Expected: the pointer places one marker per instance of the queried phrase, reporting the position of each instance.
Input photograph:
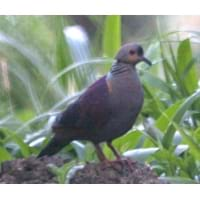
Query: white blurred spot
(78, 42)
(72, 171)
(180, 149)
(37, 142)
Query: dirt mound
(31, 170)
(36, 170)
(124, 172)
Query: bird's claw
(126, 163)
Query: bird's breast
(126, 94)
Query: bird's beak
(146, 60)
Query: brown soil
(31, 170)
(36, 170)
(121, 172)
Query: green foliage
(39, 77)
(186, 69)
(61, 172)
(112, 35)
(167, 140)
(5, 155)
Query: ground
(36, 170)
(124, 172)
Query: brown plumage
(107, 109)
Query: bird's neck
(119, 69)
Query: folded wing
(90, 112)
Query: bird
(106, 110)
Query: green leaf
(167, 140)
(62, 53)
(156, 82)
(128, 141)
(197, 134)
(12, 136)
(62, 56)
(141, 154)
(90, 152)
(163, 121)
(152, 104)
(112, 35)
(61, 172)
(25, 115)
(194, 147)
(5, 155)
(80, 149)
(124, 143)
(152, 131)
(185, 66)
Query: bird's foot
(111, 164)
(106, 163)
(126, 163)
(120, 164)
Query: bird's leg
(105, 162)
(119, 158)
(114, 150)
(100, 153)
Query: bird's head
(131, 54)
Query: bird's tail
(54, 146)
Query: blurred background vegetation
(47, 61)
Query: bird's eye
(132, 52)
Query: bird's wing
(91, 111)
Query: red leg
(114, 150)
(107, 163)
(119, 158)
(100, 153)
